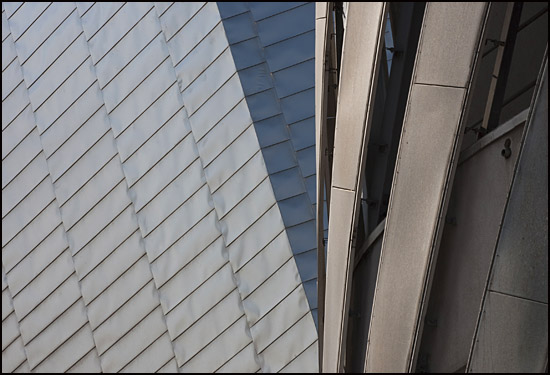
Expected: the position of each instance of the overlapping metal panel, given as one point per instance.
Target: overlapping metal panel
(140, 222)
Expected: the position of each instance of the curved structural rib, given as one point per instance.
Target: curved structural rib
(424, 171)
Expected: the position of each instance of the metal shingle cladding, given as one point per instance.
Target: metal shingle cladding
(273, 48)
(141, 226)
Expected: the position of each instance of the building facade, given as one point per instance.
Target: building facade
(158, 187)
(432, 151)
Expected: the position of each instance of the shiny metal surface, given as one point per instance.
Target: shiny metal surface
(140, 229)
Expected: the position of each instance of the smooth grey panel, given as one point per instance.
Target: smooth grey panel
(300, 237)
(135, 342)
(248, 210)
(72, 88)
(259, 268)
(25, 16)
(100, 309)
(263, 105)
(521, 264)
(508, 321)
(94, 221)
(125, 318)
(256, 237)
(168, 263)
(297, 21)
(23, 184)
(238, 186)
(247, 53)
(71, 120)
(61, 329)
(34, 263)
(200, 302)
(5, 27)
(279, 157)
(155, 148)
(283, 350)
(162, 7)
(287, 183)
(13, 356)
(208, 82)
(102, 41)
(230, 9)
(66, 294)
(92, 192)
(267, 296)
(295, 78)
(42, 286)
(31, 236)
(239, 27)
(306, 161)
(79, 144)
(8, 52)
(14, 104)
(201, 56)
(98, 15)
(168, 200)
(127, 49)
(217, 106)
(52, 48)
(164, 205)
(209, 326)
(149, 121)
(106, 241)
(139, 72)
(19, 158)
(290, 52)
(261, 11)
(122, 257)
(299, 364)
(192, 33)
(296, 210)
(203, 264)
(477, 205)
(153, 357)
(42, 28)
(84, 6)
(282, 317)
(140, 99)
(179, 15)
(238, 362)
(56, 74)
(255, 79)
(11, 78)
(209, 359)
(161, 174)
(198, 205)
(448, 24)
(232, 158)
(21, 126)
(75, 347)
(224, 133)
(272, 130)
